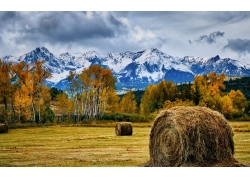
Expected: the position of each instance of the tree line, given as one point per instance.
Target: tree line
(91, 94)
(240, 83)
(206, 90)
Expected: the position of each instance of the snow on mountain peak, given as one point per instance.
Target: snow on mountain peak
(147, 66)
(91, 54)
(10, 58)
(152, 56)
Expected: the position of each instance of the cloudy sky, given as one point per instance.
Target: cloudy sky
(177, 33)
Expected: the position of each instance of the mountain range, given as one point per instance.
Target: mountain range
(132, 69)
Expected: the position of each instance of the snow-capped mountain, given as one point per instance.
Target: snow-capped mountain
(132, 69)
(152, 66)
(52, 63)
(229, 67)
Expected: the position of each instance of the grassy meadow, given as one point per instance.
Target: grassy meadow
(91, 146)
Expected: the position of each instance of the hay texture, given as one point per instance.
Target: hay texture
(191, 136)
(123, 129)
(4, 128)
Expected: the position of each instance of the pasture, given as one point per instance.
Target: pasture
(91, 146)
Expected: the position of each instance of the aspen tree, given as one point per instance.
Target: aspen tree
(128, 103)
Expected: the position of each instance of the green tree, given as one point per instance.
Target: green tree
(54, 92)
(48, 115)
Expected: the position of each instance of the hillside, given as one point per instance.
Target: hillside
(242, 84)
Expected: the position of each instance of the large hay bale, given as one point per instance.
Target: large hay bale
(123, 129)
(191, 136)
(3, 128)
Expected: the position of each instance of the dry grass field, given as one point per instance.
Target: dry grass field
(94, 146)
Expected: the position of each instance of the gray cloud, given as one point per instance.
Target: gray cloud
(106, 32)
(62, 27)
(229, 16)
(77, 28)
(240, 46)
(9, 20)
(8, 15)
(114, 21)
(210, 39)
(49, 23)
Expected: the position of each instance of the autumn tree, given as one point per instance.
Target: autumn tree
(155, 96)
(92, 91)
(5, 82)
(22, 102)
(7, 88)
(238, 100)
(112, 104)
(199, 88)
(74, 91)
(207, 91)
(33, 77)
(40, 74)
(226, 106)
(128, 103)
(216, 83)
(149, 100)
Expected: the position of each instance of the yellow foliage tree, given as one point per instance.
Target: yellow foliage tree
(22, 102)
(128, 103)
(226, 106)
(155, 96)
(7, 89)
(62, 103)
(109, 101)
(207, 90)
(149, 100)
(238, 99)
(215, 83)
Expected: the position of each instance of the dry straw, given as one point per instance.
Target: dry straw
(3, 128)
(123, 129)
(191, 136)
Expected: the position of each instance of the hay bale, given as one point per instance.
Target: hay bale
(191, 136)
(3, 128)
(123, 129)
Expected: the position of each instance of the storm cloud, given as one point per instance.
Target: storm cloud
(8, 16)
(210, 39)
(240, 46)
(176, 33)
(66, 27)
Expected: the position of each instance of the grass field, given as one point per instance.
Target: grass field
(81, 146)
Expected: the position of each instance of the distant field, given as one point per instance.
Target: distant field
(58, 146)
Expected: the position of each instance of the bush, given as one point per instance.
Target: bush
(244, 117)
(127, 117)
(48, 115)
(3, 115)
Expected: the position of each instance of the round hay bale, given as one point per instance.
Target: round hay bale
(123, 129)
(4, 128)
(191, 136)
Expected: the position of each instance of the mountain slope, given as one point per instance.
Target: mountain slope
(133, 69)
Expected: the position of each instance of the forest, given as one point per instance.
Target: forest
(24, 97)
